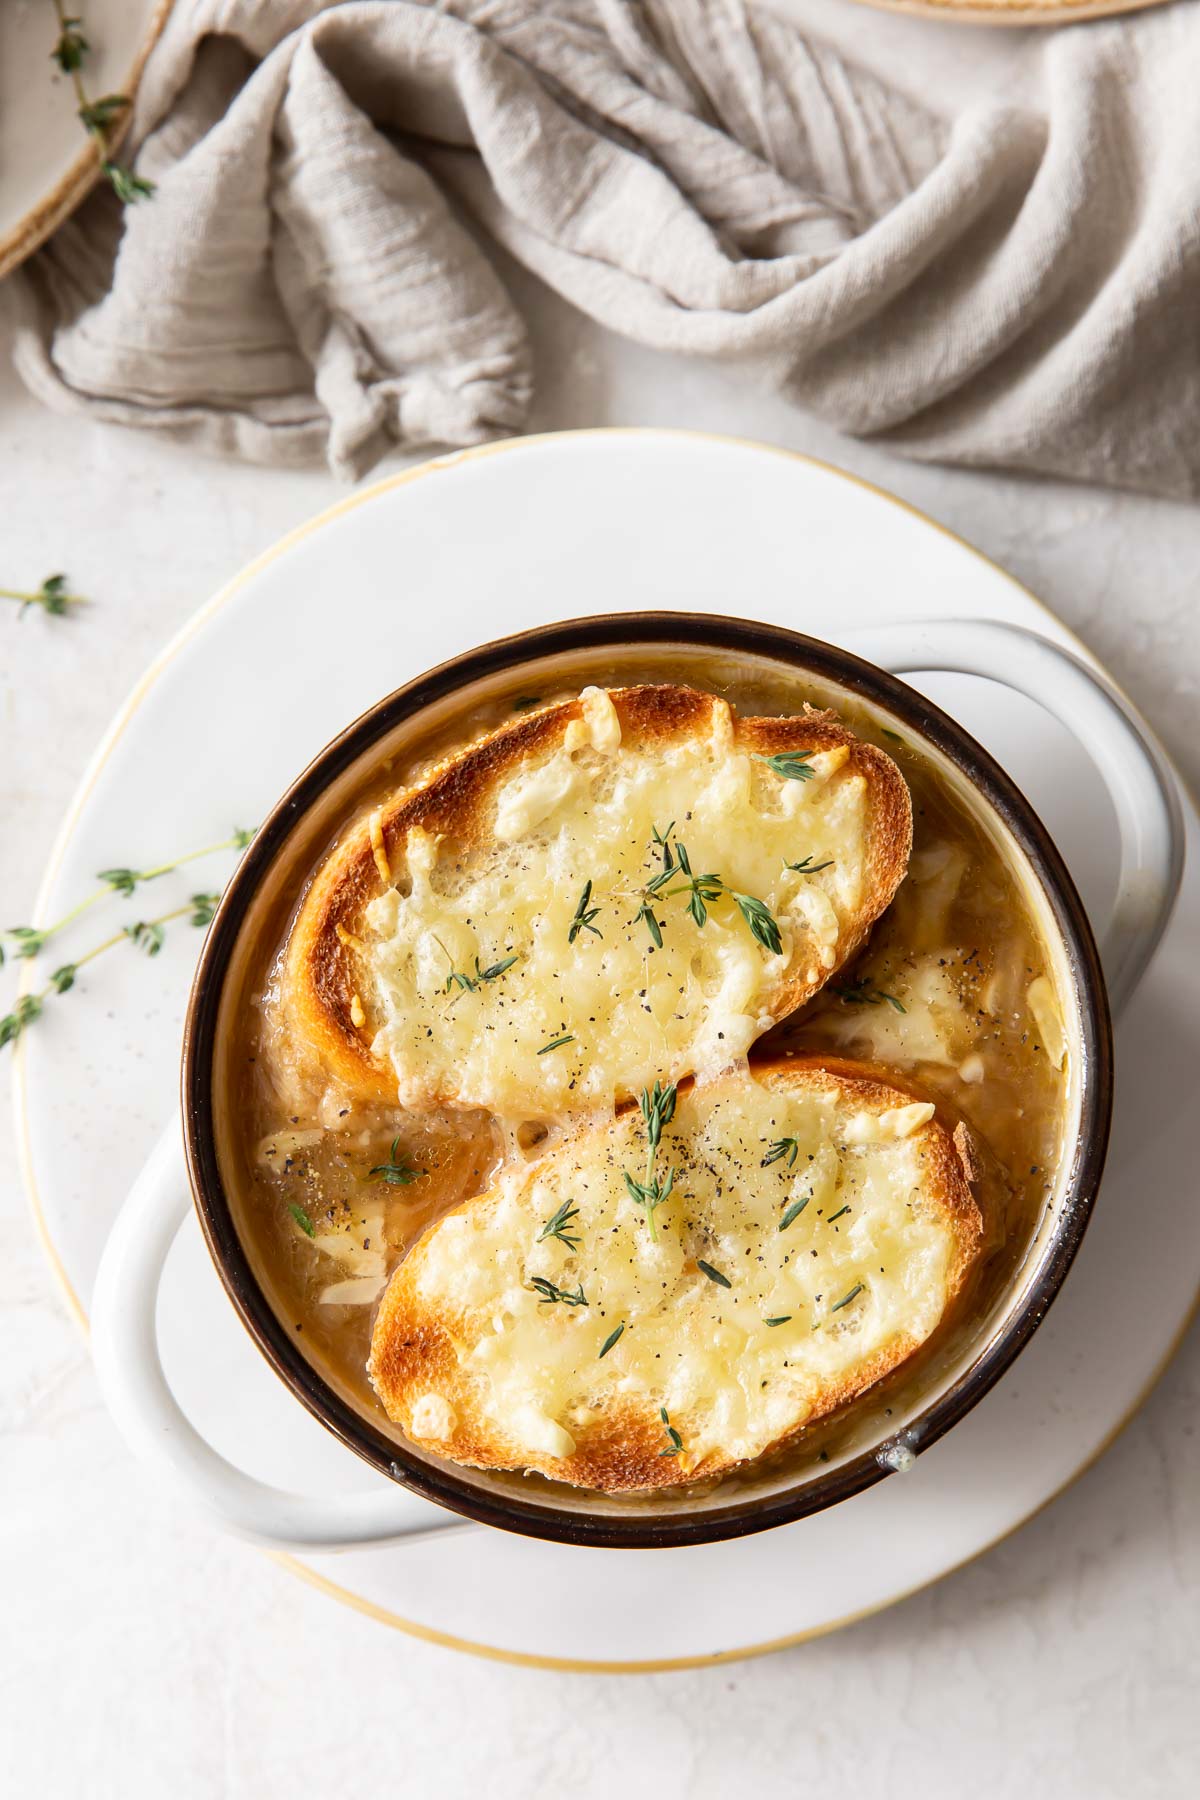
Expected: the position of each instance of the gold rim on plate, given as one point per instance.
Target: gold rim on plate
(384, 1615)
(1013, 12)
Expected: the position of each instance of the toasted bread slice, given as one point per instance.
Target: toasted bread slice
(510, 933)
(818, 1225)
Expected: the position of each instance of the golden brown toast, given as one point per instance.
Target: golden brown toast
(816, 1225)
(635, 882)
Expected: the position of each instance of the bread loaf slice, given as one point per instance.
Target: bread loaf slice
(632, 883)
(816, 1226)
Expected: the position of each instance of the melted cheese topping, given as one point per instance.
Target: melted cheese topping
(861, 1269)
(632, 1010)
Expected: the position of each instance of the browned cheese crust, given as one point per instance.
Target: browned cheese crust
(415, 1350)
(322, 985)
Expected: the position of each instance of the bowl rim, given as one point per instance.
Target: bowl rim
(443, 1483)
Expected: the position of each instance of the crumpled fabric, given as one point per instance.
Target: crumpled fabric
(311, 280)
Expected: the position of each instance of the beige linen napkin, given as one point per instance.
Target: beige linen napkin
(1016, 286)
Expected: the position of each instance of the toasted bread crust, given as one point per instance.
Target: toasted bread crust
(320, 981)
(415, 1350)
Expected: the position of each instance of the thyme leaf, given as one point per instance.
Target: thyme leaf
(713, 1274)
(793, 1212)
(657, 1109)
(468, 983)
(807, 866)
(676, 1442)
(568, 1037)
(584, 914)
(845, 1300)
(204, 907)
(863, 992)
(52, 597)
(98, 115)
(763, 926)
(558, 1226)
(128, 187)
(790, 765)
(646, 915)
(549, 1294)
(13, 1024)
(72, 45)
(397, 1171)
(148, 935)
(610, 1340)
(302, 1219)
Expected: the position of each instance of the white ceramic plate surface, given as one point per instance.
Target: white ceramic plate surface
(421, 567)
(47, 162)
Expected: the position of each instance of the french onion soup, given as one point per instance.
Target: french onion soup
(645, 1076)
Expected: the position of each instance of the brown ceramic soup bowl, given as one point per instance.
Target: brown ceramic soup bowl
(888, 1426)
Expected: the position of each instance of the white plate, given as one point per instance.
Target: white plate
(47, 161)
(419, 568)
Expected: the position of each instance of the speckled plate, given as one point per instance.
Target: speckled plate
(429, 563)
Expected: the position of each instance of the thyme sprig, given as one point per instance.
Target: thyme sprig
(702, 891)
(585, 912)
(98, 117)
(559, 1226)
(397, 1171)
(658, 1109)
(147, 935)
(864, 992)
(52, 597)
(782, 1147)
(548, 1294)
(676, 1442)
(27, 940)
(467, 984)
(806, 866)
(645, 914)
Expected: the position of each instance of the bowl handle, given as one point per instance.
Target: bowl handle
(125, 1349)
(1134, 767)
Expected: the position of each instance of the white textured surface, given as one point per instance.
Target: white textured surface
(140, 1655)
